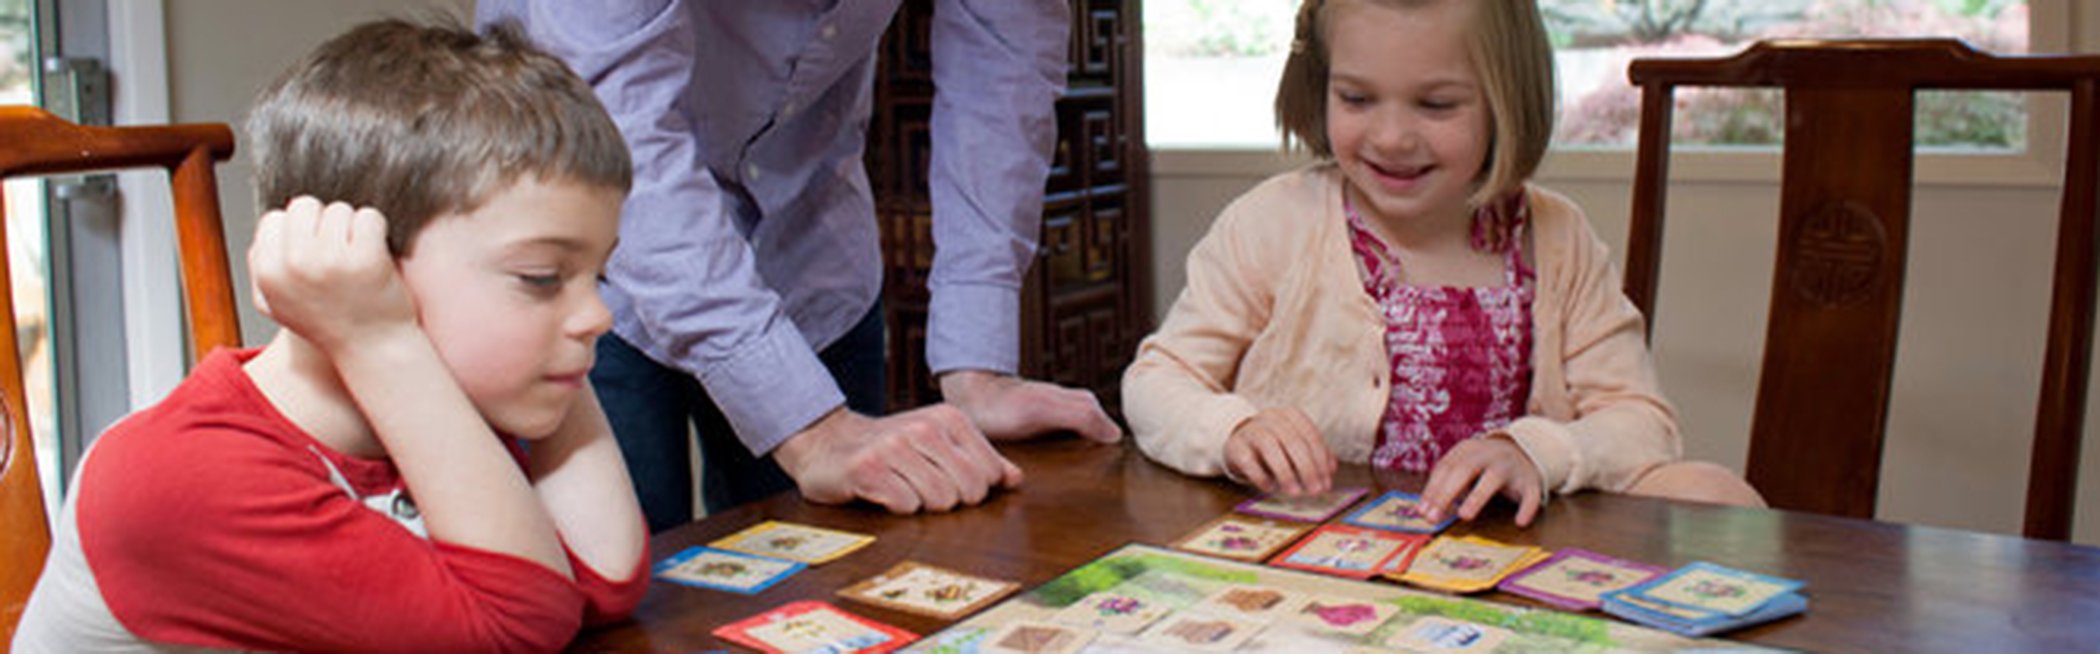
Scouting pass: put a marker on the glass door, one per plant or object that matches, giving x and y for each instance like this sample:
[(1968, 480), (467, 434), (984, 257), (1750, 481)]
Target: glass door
[(23, 35)]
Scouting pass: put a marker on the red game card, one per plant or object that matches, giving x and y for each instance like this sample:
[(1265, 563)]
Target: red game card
[(813, 626)]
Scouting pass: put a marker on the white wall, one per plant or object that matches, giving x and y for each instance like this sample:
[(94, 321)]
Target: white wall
[(1968, 365)]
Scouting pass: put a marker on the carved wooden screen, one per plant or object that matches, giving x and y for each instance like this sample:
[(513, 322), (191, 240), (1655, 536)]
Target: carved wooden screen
[(1087, 299)]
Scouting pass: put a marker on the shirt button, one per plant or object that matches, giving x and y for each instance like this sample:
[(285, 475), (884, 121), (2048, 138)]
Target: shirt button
[(751, 172), (829, 31), (789, 108)]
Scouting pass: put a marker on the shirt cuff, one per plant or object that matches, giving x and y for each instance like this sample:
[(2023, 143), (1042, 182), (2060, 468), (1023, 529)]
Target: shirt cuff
[(771, 388), (974, 327), (1546, 444)]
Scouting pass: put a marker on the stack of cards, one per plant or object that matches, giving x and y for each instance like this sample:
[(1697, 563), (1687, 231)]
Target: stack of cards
[(813, 627), (1348, 551), (1303, 508), (926, 590), (1396, 511), (1465, 564), (1577, 579), (1703, 598), (1240, 537)]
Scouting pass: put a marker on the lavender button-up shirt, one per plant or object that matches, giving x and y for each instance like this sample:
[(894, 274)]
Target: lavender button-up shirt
[(750, 241)]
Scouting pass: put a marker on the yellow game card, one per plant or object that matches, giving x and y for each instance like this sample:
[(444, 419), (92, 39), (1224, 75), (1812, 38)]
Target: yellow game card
[(1468, 564), (794, 542)]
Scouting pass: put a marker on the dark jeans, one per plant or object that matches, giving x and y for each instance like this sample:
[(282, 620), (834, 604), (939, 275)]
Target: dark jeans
[(650, 404)]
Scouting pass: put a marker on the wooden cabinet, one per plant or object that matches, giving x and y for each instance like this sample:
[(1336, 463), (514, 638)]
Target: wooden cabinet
[(1087, 299)]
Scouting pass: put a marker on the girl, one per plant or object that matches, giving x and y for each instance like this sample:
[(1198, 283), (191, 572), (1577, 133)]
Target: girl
[(1410, 301)]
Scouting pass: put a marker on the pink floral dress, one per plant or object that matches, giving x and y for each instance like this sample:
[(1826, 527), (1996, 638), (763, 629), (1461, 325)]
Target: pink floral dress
[(1461, 357)]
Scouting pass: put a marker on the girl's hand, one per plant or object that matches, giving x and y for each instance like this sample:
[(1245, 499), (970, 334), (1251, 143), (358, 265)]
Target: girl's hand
[(1478, 469), (324, 272), (1280, 448)]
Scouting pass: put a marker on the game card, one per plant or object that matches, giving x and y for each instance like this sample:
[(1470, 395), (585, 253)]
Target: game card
[(1721, 589), (1341, 614), (1241, 537), (1577, 579), (786, 540), (1346, 551), (927, 590), (1305, 508), (736, 572), (1028, 637), (1200, 632), (1468, 564), (1118, 613), (1397, 511), (809, 626), (1256, 603), (1440, 634)]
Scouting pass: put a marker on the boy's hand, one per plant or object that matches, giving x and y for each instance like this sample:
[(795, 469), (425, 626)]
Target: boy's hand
[(324, 272), (1281, 449), (1478, 469), (1007, 407), (930, 459)]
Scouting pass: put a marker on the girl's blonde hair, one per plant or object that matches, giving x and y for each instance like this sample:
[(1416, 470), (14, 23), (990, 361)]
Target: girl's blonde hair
[(1510, 53)]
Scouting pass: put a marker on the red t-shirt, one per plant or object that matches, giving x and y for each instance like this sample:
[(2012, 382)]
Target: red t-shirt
[(210, 519)]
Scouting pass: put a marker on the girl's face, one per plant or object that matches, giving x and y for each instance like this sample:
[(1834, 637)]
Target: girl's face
[(1406, 114)]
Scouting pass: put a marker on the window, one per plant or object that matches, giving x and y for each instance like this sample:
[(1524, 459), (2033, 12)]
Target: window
[(1211, 66)]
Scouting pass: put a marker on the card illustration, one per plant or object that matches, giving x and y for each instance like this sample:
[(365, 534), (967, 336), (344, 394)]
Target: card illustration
[(1256, 603), (795, 542), (1397, 511), (1440, 634), (1240, 537), (928, 590), (736, 572), (1703, 585), (1349, 616), (1111, 612), (1030, 637), (1346, 551), (1200, 632), (1578, 579), (810, 626), (1305, 508)]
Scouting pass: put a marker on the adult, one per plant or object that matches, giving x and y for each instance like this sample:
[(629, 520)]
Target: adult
[(745, 286)]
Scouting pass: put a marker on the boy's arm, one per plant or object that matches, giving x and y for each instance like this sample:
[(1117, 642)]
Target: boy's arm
[(326, 275), (582, 479)]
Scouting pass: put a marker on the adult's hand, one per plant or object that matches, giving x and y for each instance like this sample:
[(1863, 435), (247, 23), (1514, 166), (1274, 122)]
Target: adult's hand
[(1007, 407), (929, 459)]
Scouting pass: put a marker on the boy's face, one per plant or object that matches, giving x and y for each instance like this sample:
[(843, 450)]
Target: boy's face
[(508, 295)]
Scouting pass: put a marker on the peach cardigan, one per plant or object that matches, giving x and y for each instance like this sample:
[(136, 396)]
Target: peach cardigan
[(1275, 314)]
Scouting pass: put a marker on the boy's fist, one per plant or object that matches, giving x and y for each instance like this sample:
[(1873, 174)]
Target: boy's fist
[(324, 272)]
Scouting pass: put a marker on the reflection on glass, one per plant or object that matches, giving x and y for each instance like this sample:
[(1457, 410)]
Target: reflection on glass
[(25, 250)]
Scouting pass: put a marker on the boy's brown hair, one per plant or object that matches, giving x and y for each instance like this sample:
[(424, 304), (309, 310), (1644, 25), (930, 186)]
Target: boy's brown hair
[(1511, 55), (420, 120)]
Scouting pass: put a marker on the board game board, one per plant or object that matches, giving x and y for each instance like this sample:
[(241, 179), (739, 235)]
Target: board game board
[(1142, 598)]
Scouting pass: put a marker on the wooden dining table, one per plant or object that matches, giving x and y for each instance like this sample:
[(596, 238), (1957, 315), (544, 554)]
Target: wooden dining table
[(1872, 586)]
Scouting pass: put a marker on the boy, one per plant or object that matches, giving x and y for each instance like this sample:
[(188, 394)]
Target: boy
[(353, 485)]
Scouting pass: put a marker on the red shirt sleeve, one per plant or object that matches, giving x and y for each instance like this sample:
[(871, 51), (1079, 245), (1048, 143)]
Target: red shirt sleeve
[(226, 537), (606, 600)]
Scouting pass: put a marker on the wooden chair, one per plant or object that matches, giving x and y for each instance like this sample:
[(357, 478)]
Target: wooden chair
[(1844, 215), (33, 142)]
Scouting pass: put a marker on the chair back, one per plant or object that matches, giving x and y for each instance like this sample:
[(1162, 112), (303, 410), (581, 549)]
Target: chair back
[(1844, 218), (33, 142)]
